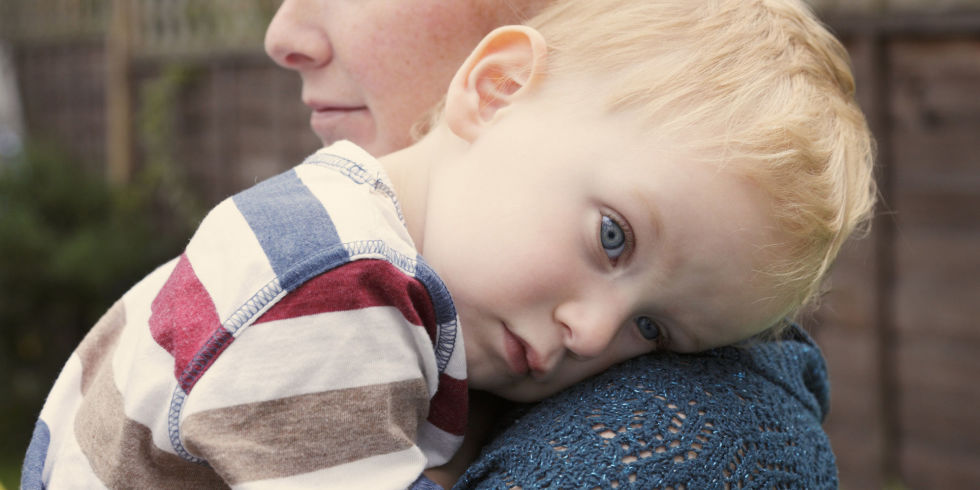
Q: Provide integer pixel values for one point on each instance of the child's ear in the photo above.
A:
(504, 66)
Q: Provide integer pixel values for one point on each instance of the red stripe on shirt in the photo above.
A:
(447, 410)
(184, 321)
(356, 285)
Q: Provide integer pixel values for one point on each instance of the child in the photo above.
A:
(612, 179)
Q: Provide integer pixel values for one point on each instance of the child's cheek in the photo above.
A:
(540, 273)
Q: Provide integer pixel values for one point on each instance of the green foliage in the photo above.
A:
(9, 474)
(159, 97)
(70, 245)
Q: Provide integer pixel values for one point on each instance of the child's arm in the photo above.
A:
(483, 412)
(315, 394)
(264, 356)
(315, 363)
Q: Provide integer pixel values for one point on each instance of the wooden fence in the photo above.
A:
(153, 27)
(898, 327)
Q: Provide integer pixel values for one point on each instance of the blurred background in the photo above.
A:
(121, 121)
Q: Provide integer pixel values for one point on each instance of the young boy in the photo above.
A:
(612, 179)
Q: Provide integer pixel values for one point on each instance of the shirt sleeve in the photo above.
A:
(329, 387)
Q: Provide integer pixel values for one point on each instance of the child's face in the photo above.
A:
(371, 68)
(571, 242)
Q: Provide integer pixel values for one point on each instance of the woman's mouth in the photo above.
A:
(334, 123)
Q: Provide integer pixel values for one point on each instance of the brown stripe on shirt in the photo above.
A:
(300, 434)
(95, 347)
(120, 450)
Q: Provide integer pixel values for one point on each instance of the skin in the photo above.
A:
(506, 201)
(372, 68)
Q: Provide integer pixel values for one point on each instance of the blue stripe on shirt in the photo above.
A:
(37, 452)
(445, 312)
(292, 226)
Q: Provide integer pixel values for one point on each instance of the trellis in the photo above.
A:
(153, 27)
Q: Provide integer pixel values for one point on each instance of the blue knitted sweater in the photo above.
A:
(734, 417)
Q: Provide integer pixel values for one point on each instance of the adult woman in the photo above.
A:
(729, 417)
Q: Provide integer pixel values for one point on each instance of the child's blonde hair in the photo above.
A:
(760, 84)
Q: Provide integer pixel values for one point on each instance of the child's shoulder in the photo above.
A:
(288, 229)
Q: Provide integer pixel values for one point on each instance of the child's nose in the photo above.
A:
(591, 323)
(295, 40)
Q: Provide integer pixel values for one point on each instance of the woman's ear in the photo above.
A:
(504, 66)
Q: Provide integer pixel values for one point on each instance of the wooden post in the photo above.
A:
(118, 100)
(885, 233)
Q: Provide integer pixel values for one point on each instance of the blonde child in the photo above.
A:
(613, 179)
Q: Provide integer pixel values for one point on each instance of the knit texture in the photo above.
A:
(734, 417)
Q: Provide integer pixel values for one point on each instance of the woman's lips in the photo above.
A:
(334, 116)
(335, 123)
(334, 111)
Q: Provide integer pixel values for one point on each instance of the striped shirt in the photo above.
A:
(299, 340)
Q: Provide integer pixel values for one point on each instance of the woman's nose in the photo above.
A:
(590, 324)
(296, 38)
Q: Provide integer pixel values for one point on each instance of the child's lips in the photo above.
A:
(522, 359)
(516, 353)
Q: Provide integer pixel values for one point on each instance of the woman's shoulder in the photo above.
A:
(735, 415)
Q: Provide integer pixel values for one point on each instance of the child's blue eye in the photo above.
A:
(612, 237)
(648, 328)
